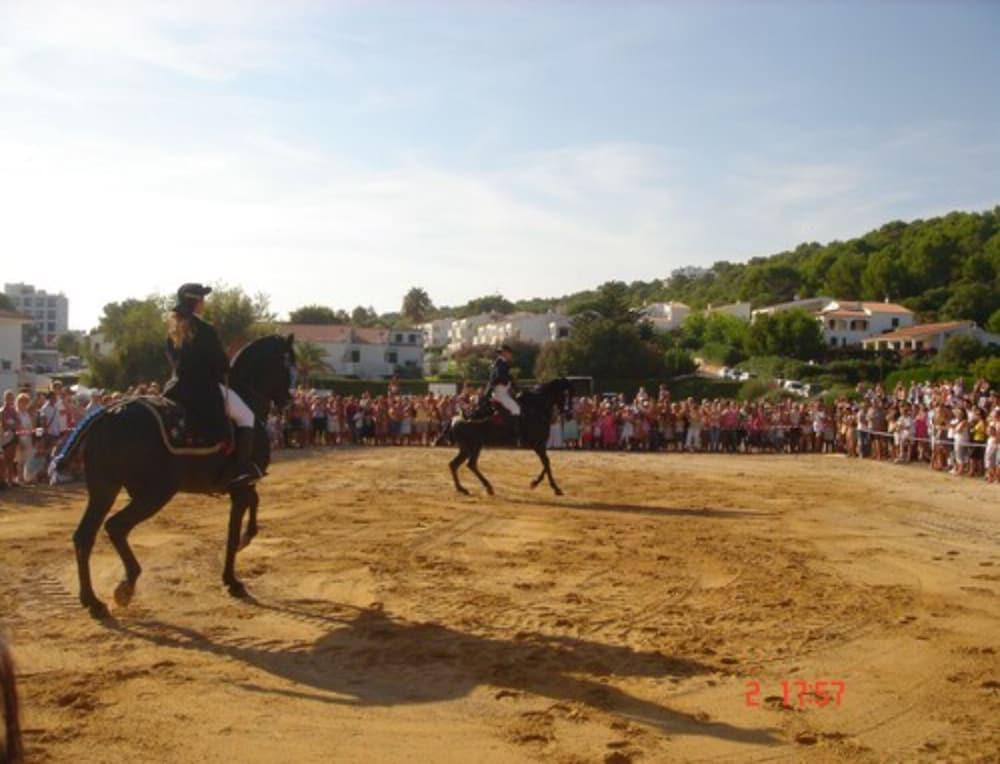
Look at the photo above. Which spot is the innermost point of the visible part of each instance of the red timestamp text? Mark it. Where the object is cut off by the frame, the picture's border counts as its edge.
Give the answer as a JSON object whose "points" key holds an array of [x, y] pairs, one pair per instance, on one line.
{"points": [[798, 693]]}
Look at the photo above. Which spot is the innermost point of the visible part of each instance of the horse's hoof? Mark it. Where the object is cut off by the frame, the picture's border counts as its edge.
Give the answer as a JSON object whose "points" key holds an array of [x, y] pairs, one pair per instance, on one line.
{"points": [[558, 492], [463, 491], [490, 491], [237, 589], [98, 610], [534, 484], [124, 592]]}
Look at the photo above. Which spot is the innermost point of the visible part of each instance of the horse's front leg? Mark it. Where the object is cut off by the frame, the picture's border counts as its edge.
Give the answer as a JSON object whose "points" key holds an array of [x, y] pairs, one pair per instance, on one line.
{"points": [[547, 470], [239, 501], [251, 529]]}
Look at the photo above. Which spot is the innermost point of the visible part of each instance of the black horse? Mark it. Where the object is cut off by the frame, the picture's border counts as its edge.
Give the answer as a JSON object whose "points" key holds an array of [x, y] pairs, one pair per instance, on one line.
{"points": [[470, 435], [11, 750], [124, 447]]}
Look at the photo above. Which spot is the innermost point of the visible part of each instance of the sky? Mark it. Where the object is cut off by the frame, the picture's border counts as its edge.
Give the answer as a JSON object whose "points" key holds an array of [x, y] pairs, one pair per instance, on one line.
{"points": [[339, 153]]}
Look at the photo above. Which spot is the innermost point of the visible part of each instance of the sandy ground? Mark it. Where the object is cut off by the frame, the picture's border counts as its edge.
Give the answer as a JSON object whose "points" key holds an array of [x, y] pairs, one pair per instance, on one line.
{"points": [[393, 620]]}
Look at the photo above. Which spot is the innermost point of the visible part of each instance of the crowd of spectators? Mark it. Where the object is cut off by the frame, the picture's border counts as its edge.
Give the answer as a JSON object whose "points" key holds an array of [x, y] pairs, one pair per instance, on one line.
{"points": [[943, 425]]}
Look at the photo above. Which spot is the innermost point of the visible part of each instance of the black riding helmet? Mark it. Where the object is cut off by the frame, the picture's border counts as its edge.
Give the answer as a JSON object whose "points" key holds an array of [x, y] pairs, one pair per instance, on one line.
{"points": [[187, 294]]}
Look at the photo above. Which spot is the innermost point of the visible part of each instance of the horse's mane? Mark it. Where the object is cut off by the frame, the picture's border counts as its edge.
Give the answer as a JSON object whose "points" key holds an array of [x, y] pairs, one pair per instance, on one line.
{"points": [[249, 355], [10, 747]]}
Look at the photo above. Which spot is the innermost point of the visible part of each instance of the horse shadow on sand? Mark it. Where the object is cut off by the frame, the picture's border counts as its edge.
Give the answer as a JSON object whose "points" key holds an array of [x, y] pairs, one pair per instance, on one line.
{"points": [[366, 657]]}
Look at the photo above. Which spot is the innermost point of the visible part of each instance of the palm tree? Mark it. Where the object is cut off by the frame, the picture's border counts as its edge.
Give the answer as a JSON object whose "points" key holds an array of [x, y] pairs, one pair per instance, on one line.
{"points": [[310, 359]]}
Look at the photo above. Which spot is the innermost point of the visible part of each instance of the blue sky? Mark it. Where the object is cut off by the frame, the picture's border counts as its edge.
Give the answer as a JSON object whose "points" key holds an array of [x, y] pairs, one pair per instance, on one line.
{"points": [[341, 152]]}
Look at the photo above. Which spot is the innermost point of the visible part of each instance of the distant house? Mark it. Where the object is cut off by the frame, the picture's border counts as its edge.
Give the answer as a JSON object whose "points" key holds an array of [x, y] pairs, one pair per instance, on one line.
{"points": [[11, 348], [363, 352], [462, 333], [526, 327], [850, 323], [929, 336], [665, 316], [846, 322], [808, 304], [98, 344], [739, 310], [436, 332]]}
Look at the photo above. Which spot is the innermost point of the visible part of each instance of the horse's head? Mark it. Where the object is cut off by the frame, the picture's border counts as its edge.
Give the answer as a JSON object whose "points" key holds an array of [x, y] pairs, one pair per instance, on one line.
{"points": [[266, 367]]}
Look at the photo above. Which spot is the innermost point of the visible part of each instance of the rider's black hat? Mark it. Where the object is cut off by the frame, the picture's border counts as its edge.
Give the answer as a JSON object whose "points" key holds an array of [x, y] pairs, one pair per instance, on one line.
{"points": [[188, 293]]}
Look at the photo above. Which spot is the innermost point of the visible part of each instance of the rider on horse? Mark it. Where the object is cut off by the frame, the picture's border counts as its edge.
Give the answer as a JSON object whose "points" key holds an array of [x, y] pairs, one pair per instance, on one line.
{"points": [[501, 381], [200, 366]]}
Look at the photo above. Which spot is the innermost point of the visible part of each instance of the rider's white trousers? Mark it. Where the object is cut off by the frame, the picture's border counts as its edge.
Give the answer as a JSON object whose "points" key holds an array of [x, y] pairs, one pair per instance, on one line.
{"points": [[237, 410], [502, 393]]}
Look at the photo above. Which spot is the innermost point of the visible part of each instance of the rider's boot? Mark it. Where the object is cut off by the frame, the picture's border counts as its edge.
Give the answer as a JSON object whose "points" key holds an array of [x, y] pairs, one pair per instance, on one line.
{"points": [[246, 471]]}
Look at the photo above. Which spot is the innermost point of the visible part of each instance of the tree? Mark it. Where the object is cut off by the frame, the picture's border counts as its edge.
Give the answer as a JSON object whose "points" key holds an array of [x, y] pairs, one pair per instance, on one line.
{"points": [[417, 305], [959, 353], [237, 317], [601, 347], [138, 330], [362, 316], [843, 279], [310, 359], [318, 314], [6, 303], [678, 362], [493, 303], [993, 325], [794, 333], [973, 302], [611, 302], [68, 344]]}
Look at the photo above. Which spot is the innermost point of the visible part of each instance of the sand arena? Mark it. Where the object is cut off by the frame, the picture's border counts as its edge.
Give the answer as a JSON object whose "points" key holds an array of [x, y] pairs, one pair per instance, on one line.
{"points": [[663, 610]]}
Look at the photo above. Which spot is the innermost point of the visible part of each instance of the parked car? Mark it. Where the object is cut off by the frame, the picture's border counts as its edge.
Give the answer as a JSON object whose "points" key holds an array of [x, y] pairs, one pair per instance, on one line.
{"points": [[795, 387]]}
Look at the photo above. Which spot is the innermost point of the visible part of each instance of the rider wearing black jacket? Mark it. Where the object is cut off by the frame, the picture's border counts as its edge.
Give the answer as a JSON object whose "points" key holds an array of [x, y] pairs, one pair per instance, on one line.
{"points": [[200, 366]]}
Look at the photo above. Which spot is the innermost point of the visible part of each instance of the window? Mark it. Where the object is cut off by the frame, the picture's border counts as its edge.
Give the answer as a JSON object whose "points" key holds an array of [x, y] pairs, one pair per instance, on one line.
{"points": [[399, 338], [413, 338], [563, 332], [895, 323], [411, 364], [355, 356], [5, 365], [833, 342], [392, 357], [52, 326], [833, 324]]}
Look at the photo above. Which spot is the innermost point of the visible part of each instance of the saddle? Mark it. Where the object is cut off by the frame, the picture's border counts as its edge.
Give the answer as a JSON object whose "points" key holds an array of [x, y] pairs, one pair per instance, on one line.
{"points": [[178, 437], [490, 411]]}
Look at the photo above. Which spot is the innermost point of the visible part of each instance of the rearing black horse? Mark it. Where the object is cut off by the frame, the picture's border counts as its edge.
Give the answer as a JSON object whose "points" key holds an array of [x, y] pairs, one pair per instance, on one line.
{"points": [[470, 435], [123, 447]]}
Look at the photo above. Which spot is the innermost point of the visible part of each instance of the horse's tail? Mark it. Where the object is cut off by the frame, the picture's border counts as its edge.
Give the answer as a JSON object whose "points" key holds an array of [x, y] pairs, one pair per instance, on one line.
{"points": [[11, 751], [73, 443]]}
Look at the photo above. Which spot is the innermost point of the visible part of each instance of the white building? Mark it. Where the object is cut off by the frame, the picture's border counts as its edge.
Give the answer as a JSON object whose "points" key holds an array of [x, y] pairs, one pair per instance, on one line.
{"points": [[666, 316], [525, 327], [739, 310], [98, 344], [10, 349], [436, 332], [463, 331], [364, 353], [850, 323], [929, 336], [49, 313], [809, 304]]}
